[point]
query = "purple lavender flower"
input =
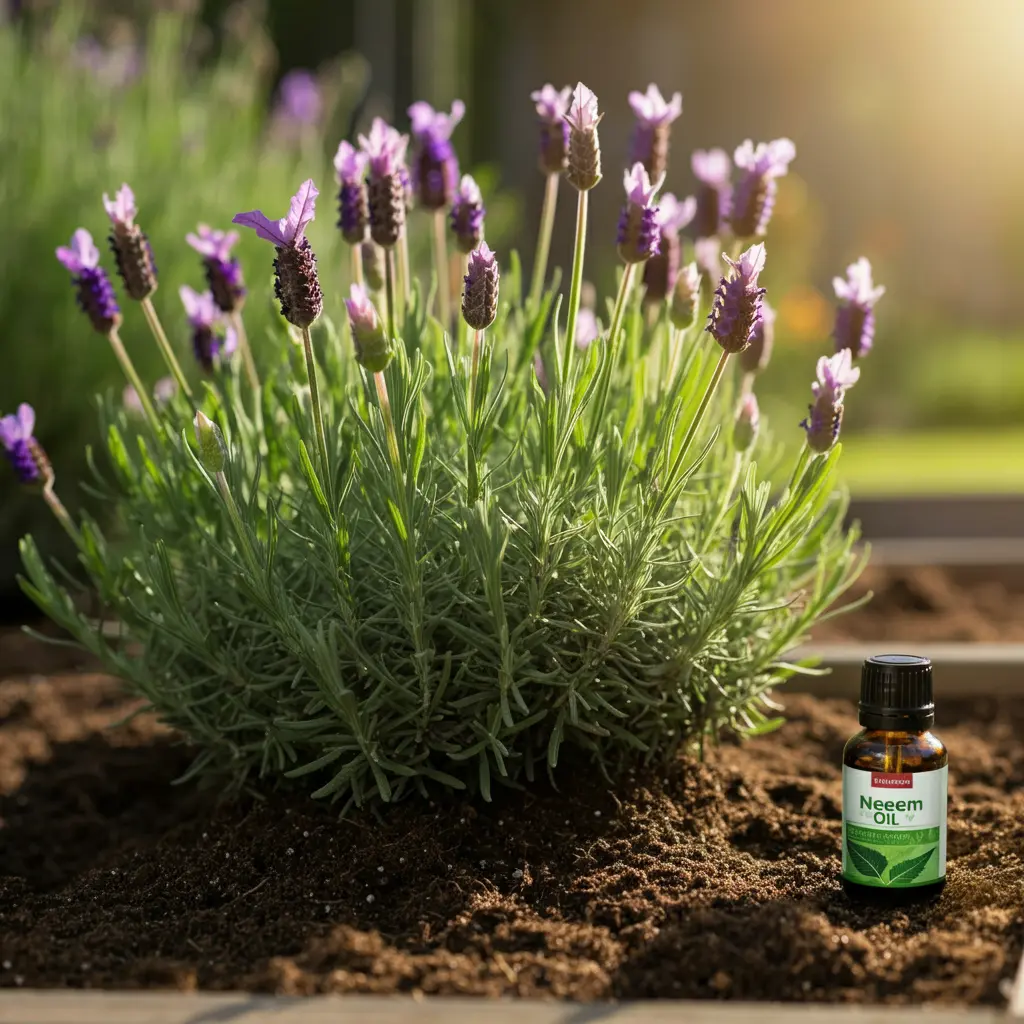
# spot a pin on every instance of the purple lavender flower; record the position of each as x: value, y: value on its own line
x: 129, y: 245
x: 755, y: 357
x: 297, y: 287
x: 552, y: 105
x: 435, y: 168
x: 639, y: 230
x: 713, y: 169
x: 372, y: 347
x: 737, y: 307
x: 95, y: 292
x: 480, y: 296
x: 682, y: 310
x: 747, y: 423
x: 212, y: 339
x: 855, y: 317
x: 223, y: 271
x: 754, y: 197
x: 588, y: 330
x: 24, y: 452
x: 584, y: 160
x: 298, y: 98
x: 649, y: 144
x: 386, y: 188
x: 353, y: 213
x: 825, y: 414
x: 468, y: 215
x: 113, y: 67
x: 163, y: 391
x: 661, y: 269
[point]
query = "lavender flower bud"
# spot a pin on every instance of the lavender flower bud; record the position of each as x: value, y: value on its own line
x: 736, y: 309
x: 95, y: 292
x: 649, y: 144
x: 353, y: 211
x: 552, y: 106
x: 754, y: 198
x: 748, y: 421
x: 211, y: 337
x: 584, y: 161
x: 639, y: 229
x: 712, y: 168
x: 435, y: 166
x: 372, y: 256
x: 164, y: 390
x: 755, y: 357
x: 682, y: 310
x: 25, y: 453
x: 223, y: 272
x: 371, y: 343
x: 468, y: 216
x: 480, y: 297
x: 660, y: 270
x: 855, y: 317
x: 130, y: 246
x: 297, y: 286
x: 825, y: 414
x: 587, y: 328
x: 386, y: 188
x: 212, y: 451
x: 299, y: 100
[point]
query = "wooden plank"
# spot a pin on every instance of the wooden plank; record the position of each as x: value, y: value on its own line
x: 231, y: 1008
x: 988, y: 553
x: 1000, y: 515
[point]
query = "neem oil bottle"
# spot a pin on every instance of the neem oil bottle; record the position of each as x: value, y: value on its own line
x: 894, y: 787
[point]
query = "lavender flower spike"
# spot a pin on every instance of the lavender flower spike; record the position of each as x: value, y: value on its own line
x: 584, y: 168
x: 754, y: 198
x: 297, y: 287
x: 649, y: 144
x: 25, y: 453
x: 95, y: 292
x: 468, y: 215
x: 206, y: 321
x: 660, y: 270
x: 298, y: 98
x: 385, y: 154
x: 639, y: 229
x: 825, y: 414
x: 552, y: 105
x: 737, y: 307
x: 130, y: 246
x: 373, y: 349
x: 223, y: 272
x: 480, y: 297
x: 855, y: 317
x: 713, y: 169
x: 353, y: 213
x: 435, y: 169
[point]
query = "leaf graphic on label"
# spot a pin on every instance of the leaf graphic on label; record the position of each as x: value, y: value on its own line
x: 908, y: 870
x: 866, y: 860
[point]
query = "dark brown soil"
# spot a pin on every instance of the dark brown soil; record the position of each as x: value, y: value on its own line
x: 932, y: 603
x: 708, y: 881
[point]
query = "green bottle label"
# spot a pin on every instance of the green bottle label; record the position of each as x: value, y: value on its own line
x: 894, y: 827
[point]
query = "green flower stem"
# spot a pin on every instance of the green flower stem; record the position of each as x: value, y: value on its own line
x: 404, y: 274
x: 698, y: 416
x: 621, y: 301
x: 238, y: 524
x: 675, y: 347
x: 314, y: 396
x: 576, y: 284
x: 748, y: 383
x: 478, y: 337
x: 246, y: 349
x: 165, y: 347
x: 389, y: 290
x: 357, y: 265
x: 133, y: 378
x: 444, y: 298
x: 389, y: 421
x: 58, y: 509
x: 547, y: 224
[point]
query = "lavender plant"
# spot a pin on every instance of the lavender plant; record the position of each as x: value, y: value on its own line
x: 423, y: 563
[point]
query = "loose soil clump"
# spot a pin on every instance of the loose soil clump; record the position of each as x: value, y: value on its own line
x: 714, y: 880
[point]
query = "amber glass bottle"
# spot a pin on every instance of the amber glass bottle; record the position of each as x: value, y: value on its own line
x: 894, y: 787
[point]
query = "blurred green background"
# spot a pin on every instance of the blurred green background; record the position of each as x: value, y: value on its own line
x: 900, y: 118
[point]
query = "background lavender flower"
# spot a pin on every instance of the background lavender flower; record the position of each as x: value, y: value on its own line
x: 661, y: 269
x: 298, y: 98
x: 855, y: 316
x: 223, y: 272
x: 650, y: 140
x: 435, y: 167
x: 584, y: 160
x: 737, y: 307
x: 130, y: 246
x: 588, y: 329
x: 747, y: 423
x: 211, y: 338
x: 297, y: 287
x: 95, y: 292
x: 480, y: 296
x: 163, y: 391
x: 639, y: 231
x: 386, y: 188
x: 713, y: 169
x: 682, y: 310
x: 825, y: 414
x: 754, y: 197
x: 755, y: 357
x: 468, y: 215
x: 353, y: 213
x: 23, y: 451
x: 552, y: 105
x: 371, y: 343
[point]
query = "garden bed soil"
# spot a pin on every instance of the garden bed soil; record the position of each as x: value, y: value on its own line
x: 714, y: 880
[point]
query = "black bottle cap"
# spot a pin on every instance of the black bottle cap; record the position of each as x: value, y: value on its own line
x: 896, y: 693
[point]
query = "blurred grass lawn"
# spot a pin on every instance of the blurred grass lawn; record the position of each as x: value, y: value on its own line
x: 934, y: 462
